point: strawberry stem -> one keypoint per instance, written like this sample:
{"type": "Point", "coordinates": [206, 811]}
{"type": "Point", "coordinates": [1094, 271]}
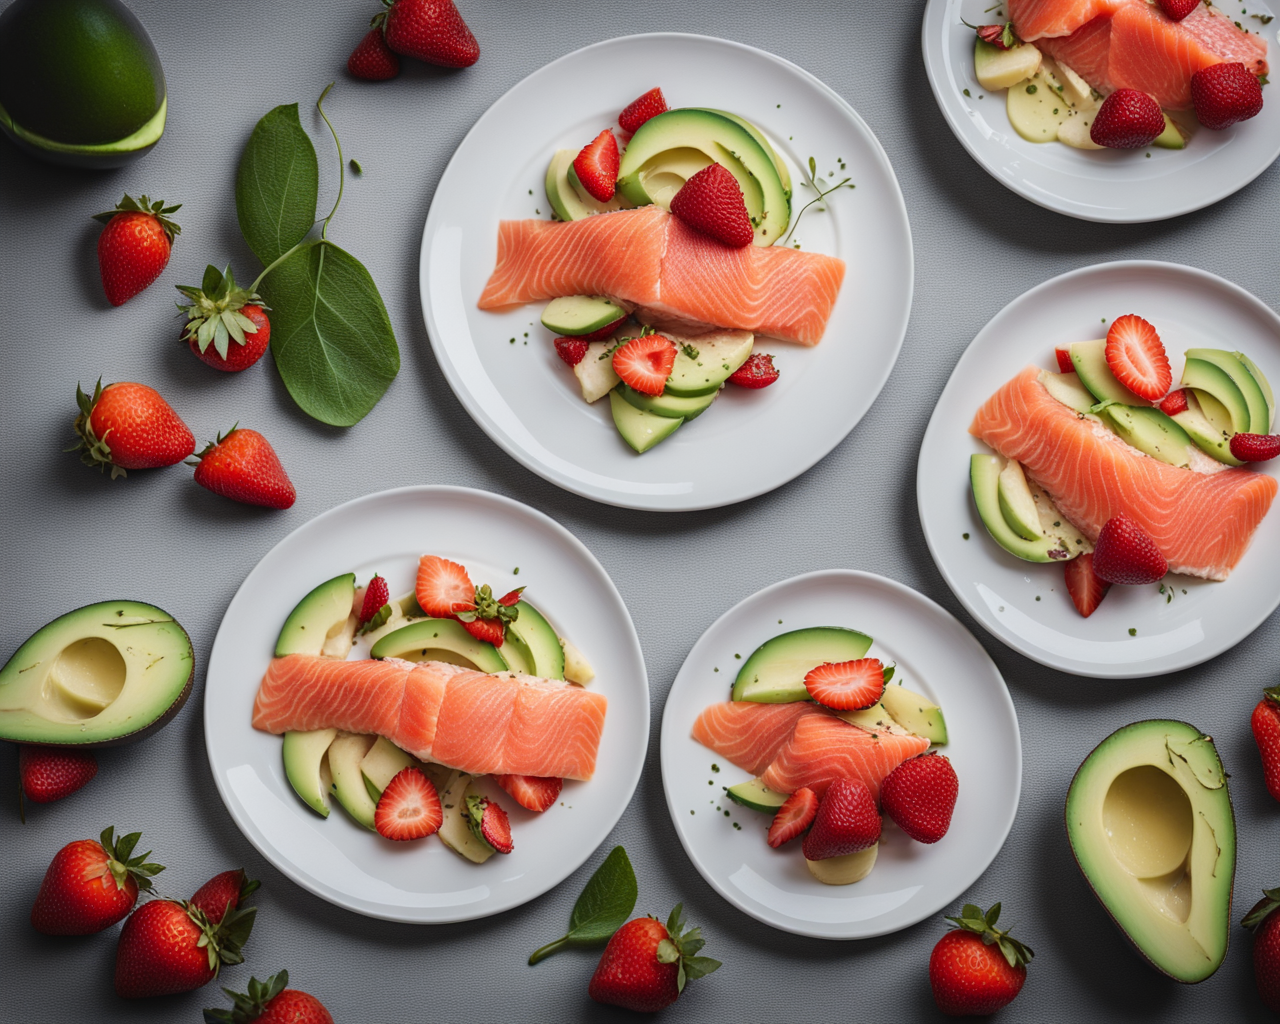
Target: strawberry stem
{"type": "Point", "coordinates": [341, 177]}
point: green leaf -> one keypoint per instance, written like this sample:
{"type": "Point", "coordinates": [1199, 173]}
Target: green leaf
{"type": "Point", "coordinates": [330, 334]}
{"type": "Point", "coordinates": [700, 966]}
{"type": "Point", "coordinates": [604, 906]}
{"type": "Point", "coordinates": [277, 185]}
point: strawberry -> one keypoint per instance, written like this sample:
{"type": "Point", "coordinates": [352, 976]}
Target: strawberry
{"type": "Point", "coordinates": [646, 966]}
{"type": "Point", "coordinates": [270, 1002]}
{"type": "Point", "coordinates": [1136, 356]}
{"type": "Point", "coordinates": [1174, 402]}
{"type": "Point", "coordinates": [794, 816]}
{"type": "Point", "coordinates": [51, 773]}
{"type": "Point", "coordinates": [242, 465]}
{"type": "Point", "coordinates": [1126, 554]}
{"type": "Point", "coordinates": [757, 372]}
{"type": "Point", "coordinates": [999, 36]}
{"type": "Point", "coordinates": [511, 597]}
{"type": "Point", "coordinates": [1265, 923]}
{"type": "Point", "coordinates": [846, 685]}
{"type": "Point", "coordinates": [430, 30]}
{"type": "Point", "coordinates": [1127, 119]}
{"type": "Point", "coordinates": [639, 110]}
{"type": "Point", "coordinates": [571, 350]}
{"type": "Point", "coordinates": [1265, 723]}
{"type": "Point", "coordinates": [919, 796]}
{"type": "Point", "coordinates": [597, 166]}
{"type": "Point", "coordinates": [487, 617]}
{"type": "Point", "coordinates": [220, 313]}
{"type": "Point", "coordinates": [443, 587]}
{"type": "Point", "coordinates": [91, 885]}
{"type": "Point", "coordinates": [530, 791]}
{"type": "Point", "coordinates": [1176, 10]}
{"type": "Point", "coordinates": [372, 59]}
{"type": "Point", "coordinates": [1255, 447]}
{"type": "Point", "coordinates": [1224, 94]}
{"type": "Point", "coordinates": [711, 202]}
{"type": "Point", "coordinates": [645, 363]}
{"type": "Point", "coordinates": [134, 246]}
{"type": "Point", "coordinates": [489, 823]}
{"type": "Point", "coordinates": [376, 595]}
{"type": "Point", "coordinates": [1063, 355]}
{"type": "Point", "coordinates": [975, 969]}
{"type": "Point", "coordinates": [846, 821]}
{"type": "Point", "coordinates": [1084, 587]}
{"type": "Point", "coordinates": [168, 947]}
{"type": "Point", "coordinates": [409, 807]}
{"type": "Point", "coordinates": [223, 893]}
{"type": "Point", "coordinates": [129, 426]}
{"type": "Point", "coordinates": [603, 332]}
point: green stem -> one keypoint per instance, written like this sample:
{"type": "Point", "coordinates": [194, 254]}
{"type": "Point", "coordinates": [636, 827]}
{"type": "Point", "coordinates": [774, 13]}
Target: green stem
{"type": "Point", "coordinates": [548, 949]}
{"type": "Point", "coordinates": [253, 288]}
{"type": "Point", "coordinates": [341, 172]}
{"type": "Point", "coordinates": [820, 196]}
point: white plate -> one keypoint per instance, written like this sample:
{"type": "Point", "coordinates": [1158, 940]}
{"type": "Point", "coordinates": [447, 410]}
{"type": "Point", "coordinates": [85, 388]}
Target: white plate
{"type": "Point", "coordinates": [528, 401]}
{"type": "Point", "coordinates": [937, 657]}
{"type": "Point", "coordinates": [1026, 605]}
{"type": "Point", "coordinates": [339, 860]}
{"type": "Point", "coordinates": [1116, 186]}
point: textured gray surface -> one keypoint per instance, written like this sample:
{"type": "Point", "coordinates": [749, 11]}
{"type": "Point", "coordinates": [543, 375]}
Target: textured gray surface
{"type": "Point", "coordinates": [72, 536]}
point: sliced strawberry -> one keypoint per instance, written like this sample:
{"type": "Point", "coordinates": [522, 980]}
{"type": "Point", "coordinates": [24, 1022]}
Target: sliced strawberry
{"type": "Point", "coordinates": [375, 596]}
{"type": "Point", "coordinates": [711, 202]}
{"type": "Point", "coordinates": [639, 110]}
{"type": "Point", "coordinates": [847, 685]}
{"type": "Point", "coordinates": [510, 598]}
{"type": "Point", "coordinates": [1136, 356]}
{"type": "Point", "coordinates": [409, 807]}
{"type": "Point", "coordinates": [443, 587]}
{"type": "Point", "coordinates": [1065, 365]}
{"type": "Point", "coordinates": [597, 166]}
{"type": "Point", "coordinates": [757, 372]}
{"type": "Point", "coordinates": [645, 363]}
{"type": "Point", "coordinates": [1175, 402]}
{"type": "Point", "coordinates": [603, 332]}
{"type": "Point", "coordinates": [794, 816]}
{"type": "Point", "coordinates": [495, 827]}
{"type": "Point", "coordinates": [1126, 554]}
{"type": "Point", "coordinates": [571, 350]}
{"type": "Point", "coordinates": [1255, 447]}
{"type": "Point", "coordinates": [1084, 587]}
{"type": "Point", "coordinates": [490, 631]}
{"type": "Point", "coordinates": [531, 792]}
{"type": "Point", "coordinates": [1001, 36]}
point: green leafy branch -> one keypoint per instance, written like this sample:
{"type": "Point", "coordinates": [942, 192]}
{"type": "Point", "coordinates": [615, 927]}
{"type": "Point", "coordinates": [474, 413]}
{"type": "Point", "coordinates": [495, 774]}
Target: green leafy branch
{"type": "Point", "coordinates": [811, 180]}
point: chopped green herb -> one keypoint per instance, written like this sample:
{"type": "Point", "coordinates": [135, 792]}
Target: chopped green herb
{"type": "Point", "coordinates": [355, 166]}
{"type": "Point", "coordinates": [1032, 89]}
{"type": "Point", "coordinates": [1132, 631]}
{"type": "Point", "coordinates": [965, 536]}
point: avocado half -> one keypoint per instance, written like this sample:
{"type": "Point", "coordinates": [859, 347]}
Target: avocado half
{"type": "Point", "coordinates": [102, 675]}
{"type": "Point", "coordinates": [1150, 823]}
{"type": "Point", "coordinates": [80, 82]}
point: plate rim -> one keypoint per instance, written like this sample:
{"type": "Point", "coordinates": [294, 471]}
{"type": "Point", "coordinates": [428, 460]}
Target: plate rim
{"type": "Point", "coordinates": [287, 867]}
{"type": "Point", "coordinates": [616, 499]}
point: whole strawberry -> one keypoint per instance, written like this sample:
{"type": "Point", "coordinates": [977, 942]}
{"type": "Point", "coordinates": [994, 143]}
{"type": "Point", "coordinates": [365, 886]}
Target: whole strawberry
{"type": "Point", "coordinates": [430, 30]}
{"type": "Point", "coordinates": [270, 1002]}
{"type": "Point", "coordinates": [711, 202]}
{"type": "Point", "coordinates": [167, 947]}
{"type": "Point", "coordinates": [1225, 94]}
{"type": "Point", "coordinates": [976, 969]}
{"type": "Point", "coordinates": [372, 59]}
{"type": "Point", "coordinates": [129, 426]}
{"type": "Point", "coordinates": [227, 326]}
{"type": "Point", "coordinates": [846, 821]}
{"type": "Point", "coordinates": [1176, 10]}
{"type": "Point", "coordinates": [1126, 554]}
{"type": "Point", "coordinates": [242, 465]}
{"type": "Point", "coordinates": [51, 773]}
{"type": "Point", "coordinates": [134, 246]}
{"type": "Point", "coordinates": [1127, 119]}
{"type": "Point", "coordinates": [1266, 733]}
{"type": "Point", "coordinates": [1265, 923]}
{"type": "Point", "coordinates": [90, 885]}
{"type": "Point", "coordinates": [223, 893]}
{"type": "Point", "coordinates": [919, 795]}
{"type": "Point", "coordinates": [645, 966]}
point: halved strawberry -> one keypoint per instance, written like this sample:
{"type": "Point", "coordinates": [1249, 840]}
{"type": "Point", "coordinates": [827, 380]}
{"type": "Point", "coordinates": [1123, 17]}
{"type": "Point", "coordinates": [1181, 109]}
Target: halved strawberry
{"type": "Point", "coordinates": [847, 685]}
{"type": "Point", "coordinates": [490, 631]}
{"type": "Point", "coordinates": [375, 596]}
{"type": "Point", "coordinates": [495, 828]}
{"type": "Point", "coordinates": [1136, 356]}
{"type": "Point", "coordinates": [443, 587]}
{"type": "Point", "coordinates": [757, 372]}
{"type": "Point", "coordinates": [794, 816]}
{"type": "Point", "coordinates": [1255, 447]}
{"type": "Point", "coordinates": [1084, 587]}
{"type": "Point", "coordinates": [1065, 365]}
{"type": "Point", "coordinates": [645, 363]}
{"type": "Point", "coordinates": [597, 166]}
{"type": "Point", "coordinates": [531, 792]}
{"type": "Point", "coordinates": [639, 110]}
{"type": "Point", "coordinates": [571, 350]}
{"type": "Point", "coordinates": [711, 202]}
{"type": "Point", "coordinates": [511, 597]}
{"type": "Point", "coordinates": [409, 807]}
{"type": "Point", "coordinates": [1174, 402]}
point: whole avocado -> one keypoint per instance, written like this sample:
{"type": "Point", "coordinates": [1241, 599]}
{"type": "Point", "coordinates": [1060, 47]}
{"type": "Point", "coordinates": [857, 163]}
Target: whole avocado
{"type": "Point", "coordinates": [80, 82]}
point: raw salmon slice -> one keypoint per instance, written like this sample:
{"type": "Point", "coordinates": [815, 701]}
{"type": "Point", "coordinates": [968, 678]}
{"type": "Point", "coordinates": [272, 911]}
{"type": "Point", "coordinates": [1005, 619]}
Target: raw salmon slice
{"type": "Point", "coordinates": [823, 748]}
{"type": "Point", "coordinates": [749, 734]}
{"type": "Point", "coordinates": [472, 721]}
{"type": "Point", "coordinates": [648, 259]}
{"type": "Point", "coordinates": [1202, 522]}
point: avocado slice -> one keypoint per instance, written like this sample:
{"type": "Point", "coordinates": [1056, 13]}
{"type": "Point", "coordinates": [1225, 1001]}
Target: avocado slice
{"type": "Point", "coordinates": [915, 713]}
{"type": "Point", "coordinates": [319, 619]}
{"type": "Point", "coordinates": [455, 830]}
{"type": "Point", "coordinates": [1208, 437]}
{"type": "Point", "coordinates": [576, 667]}
{"type": "Point", "coordinates": [571, 315]}
{"type": "Point", "coordinates": [670, 148]}
{"type": "Point", "coordinates": [306, 765]}
{"type": "Point", "coordinates": [665, 404]}
{"type": "Point", "coordinates": [1172, 137]}
{"type": "Point", "coordinates": [998, 69]}
{"type": "Point", "coordinates": [440, 640]}
{"type": "Point", "coordinates": [80, 82]}
{"type": "Point", "coordinates": [565, 193]}
{"type": "Point", "coordinates": [1210, 369]}
{"type": "Point", "coordinates": [1150, 431]}
{"type": "Point", "coordinates": [345, 754]}
{"type": "Point", "coordinates": [105, 674]}
{"type": "Point", "coordinates": [640, 429]}
{"type": "Point", "coordinates": [385, 761]}
{"type": "Point", "coordinates": [705, 362]}
{"type": "Point", "coordinates": [779, 164]}
{"type": "Point", "coordinates": [757, 796]}
{"type": "Point", "coordinates": [775, 671]}
{"type": "Point", "coordinates": [1067, 389]}
{"type": "Point", "coordinates": [984, 481]}
{"type": "Point", "coordinates": [1016, 504]}
{"type": "Point", "coordinates": [537, 642]}
{"type": "Point", "coordinates": [1090, 361]}
{"type": "Point", "coordinates": [1150, 823]}
{"type": "Point", "coordinates": [1264, 384]}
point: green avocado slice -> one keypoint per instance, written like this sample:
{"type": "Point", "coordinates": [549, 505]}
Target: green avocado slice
{"type": "Point", "coordinates": [775, 671]}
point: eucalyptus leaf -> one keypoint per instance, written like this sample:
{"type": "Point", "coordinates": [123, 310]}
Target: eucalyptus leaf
{"type": "Point", "coordinates": [277, 185]}
{"type": "Point", "coordinates": [330, 334]}
{"type": "Point", "coordinates": [604, 906]}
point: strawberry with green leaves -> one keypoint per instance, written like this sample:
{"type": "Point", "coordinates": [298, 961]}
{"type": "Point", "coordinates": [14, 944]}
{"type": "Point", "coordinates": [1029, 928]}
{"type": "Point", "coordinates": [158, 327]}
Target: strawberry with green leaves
{"type": "Point", "coordinates": [134, 246]}
{"type": "Point", "coordinates": [270, 1002]}
{"type": "Point", "coordinates": [227, 326]}
{"type": "Point", "coordinates": [488, 616]}
{"type": "Point", "coordinates": [646, 965]}
{"type": "Point", "coordinates": [242, 465]}
{"type": "Point", "coordinates": [168, 947]}
{"type": "Point", "coordinates": [129, 426]}
{"type": "Point", "coordinates": [90, 885]}
{"type": "Point", "coordinates": [444, 591]}
{"type": "Point", "coordinates": [1265, 723]}
{"type": "Point", "coordinates": [976, 968]}
{"type": "Point", "coordinates": [1265, 924]}
{"type": "Point", "coordinates": [223, 893]}
{"type": "Point", "coordinates": [375, 607]}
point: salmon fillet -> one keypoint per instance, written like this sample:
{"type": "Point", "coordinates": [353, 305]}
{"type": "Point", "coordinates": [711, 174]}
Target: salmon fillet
{"type": "Point", "coordinates": [1202, 523]}
{"type": "Point", "coordinates": [749, 734]}
{"type": "Point", "coordinates": [646, 258]}
{"type": "Point", "coordinates": [478, 723]}
{"type": "Point", "coordinates": [823, 748]}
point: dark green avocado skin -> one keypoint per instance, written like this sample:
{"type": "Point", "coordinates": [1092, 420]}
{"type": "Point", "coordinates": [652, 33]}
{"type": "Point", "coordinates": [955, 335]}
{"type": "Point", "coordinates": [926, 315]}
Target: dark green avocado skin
{"type": "Point", "coordinates": [80, 72]}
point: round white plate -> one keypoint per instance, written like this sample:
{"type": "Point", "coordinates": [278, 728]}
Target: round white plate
{"type": "Point", "coordinates": [529, 402]}
{"type": "Point", "coordinates": [937, 657]}
{"type": "Point", "coordinates": [334, 857]}
{"type": "Point", "coordinates": [1026, 605]}
{"type": "Point", "coordinates": [1116, 186]}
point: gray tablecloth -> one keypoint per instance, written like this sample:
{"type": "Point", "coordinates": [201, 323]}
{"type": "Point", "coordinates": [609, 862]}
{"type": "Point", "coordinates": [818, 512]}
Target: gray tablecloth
{"type": "Point", "coordinates": [71, 536]}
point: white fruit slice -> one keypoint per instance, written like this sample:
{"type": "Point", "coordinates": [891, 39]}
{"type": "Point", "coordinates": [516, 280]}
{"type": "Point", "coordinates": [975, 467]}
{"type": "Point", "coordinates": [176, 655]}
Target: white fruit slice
{"type": "Point", "coordinates": [998, 69]}
{"type": "Point", "coordinates": [846, 870]}
{"type": "Point", "coordinates": [595, 371]}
